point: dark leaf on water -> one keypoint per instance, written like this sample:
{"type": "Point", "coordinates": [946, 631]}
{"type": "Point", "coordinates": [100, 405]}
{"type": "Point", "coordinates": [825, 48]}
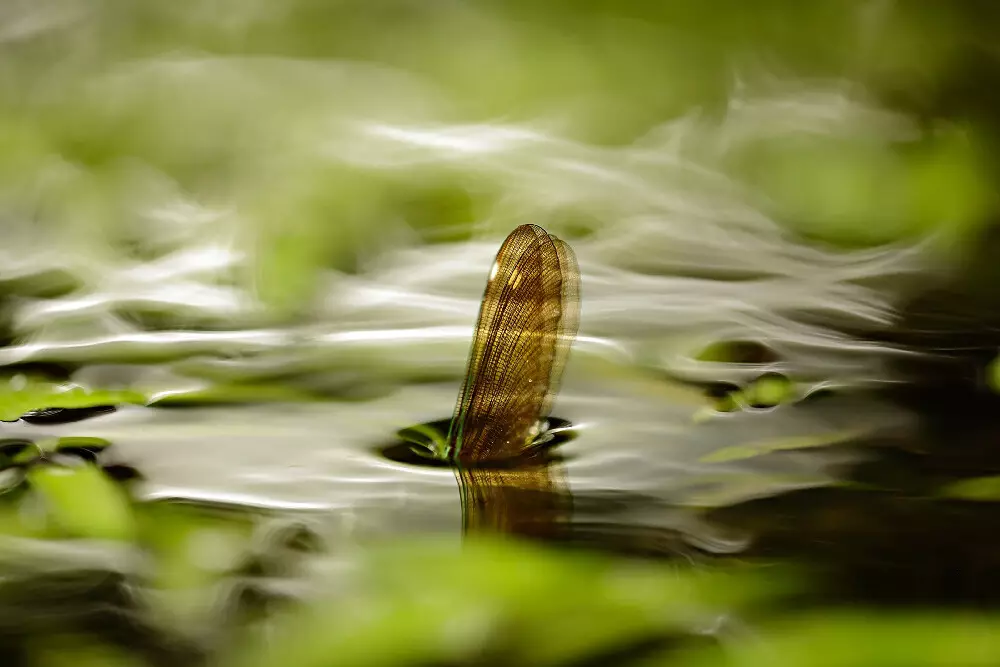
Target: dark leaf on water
{"type": "Point", "coordinates": [65, 415]}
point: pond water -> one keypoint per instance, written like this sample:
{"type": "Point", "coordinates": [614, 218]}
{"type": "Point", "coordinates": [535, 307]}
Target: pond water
{"type": "Point", "coordinates": [640, 439]}
{"type": "Point", "coordinates": [261, 462]}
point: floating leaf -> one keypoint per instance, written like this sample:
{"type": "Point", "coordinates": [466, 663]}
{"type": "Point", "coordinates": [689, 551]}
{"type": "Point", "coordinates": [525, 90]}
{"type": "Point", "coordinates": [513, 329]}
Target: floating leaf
{"type": "Point", "coordinates": [38, 399]}
{"type": "Point", "coordinates": [978, 488]}
{"type": "Point", "coordinates": [750, 450]}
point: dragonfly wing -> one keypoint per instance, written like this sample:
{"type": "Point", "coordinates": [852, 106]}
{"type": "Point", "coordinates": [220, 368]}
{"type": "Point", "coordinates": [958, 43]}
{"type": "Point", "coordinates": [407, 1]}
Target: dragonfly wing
{"type": "Point", "coordinates": [520, 339]}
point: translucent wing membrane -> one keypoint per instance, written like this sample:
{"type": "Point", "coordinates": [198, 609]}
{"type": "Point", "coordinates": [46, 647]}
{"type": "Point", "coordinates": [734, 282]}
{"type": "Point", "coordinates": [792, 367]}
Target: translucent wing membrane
{"type": "Point", "coordinates": [526, 325]}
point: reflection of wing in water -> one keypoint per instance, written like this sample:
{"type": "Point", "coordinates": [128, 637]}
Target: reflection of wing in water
{"type": "Point", "coordinates": [527, 321]}
{"type": "Point", "coordinates": [529, 501]}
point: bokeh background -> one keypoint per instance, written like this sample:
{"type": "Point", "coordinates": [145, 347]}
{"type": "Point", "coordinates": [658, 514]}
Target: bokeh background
{"type": "Point", "coordinates": [261, 231]}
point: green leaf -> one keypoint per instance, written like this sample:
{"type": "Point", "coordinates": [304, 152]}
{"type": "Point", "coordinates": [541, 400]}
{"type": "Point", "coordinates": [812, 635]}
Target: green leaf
{"type": "Point", "coordinates": [854, 638]}
{"type": "Point", "coordinates": [81, 501]}
{"type": "Point", "coordinates": [20, 394]}
{"type": "Point", "coordinates": [978, 488]}
{"type": "Point", "coordinates": [753, 449]}
{"type": "Point", "coordinates": [441, 603]}
{"type": "Point", "coordinates": [770, 390]}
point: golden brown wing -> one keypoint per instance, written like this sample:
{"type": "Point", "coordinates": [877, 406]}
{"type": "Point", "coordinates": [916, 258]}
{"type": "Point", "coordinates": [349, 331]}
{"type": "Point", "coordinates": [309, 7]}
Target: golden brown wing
{"type": "Point", "coordinates": [526, 324]}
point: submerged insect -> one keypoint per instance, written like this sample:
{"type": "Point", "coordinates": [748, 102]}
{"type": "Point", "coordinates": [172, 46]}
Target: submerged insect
{"type": "Point", "coordinates": [527, 322]}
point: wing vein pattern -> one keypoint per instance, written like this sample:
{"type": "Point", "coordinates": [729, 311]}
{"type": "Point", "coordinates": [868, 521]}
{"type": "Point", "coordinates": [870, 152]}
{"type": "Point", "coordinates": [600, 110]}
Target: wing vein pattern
{"type": "Point", "coordinates": [527, 321]}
